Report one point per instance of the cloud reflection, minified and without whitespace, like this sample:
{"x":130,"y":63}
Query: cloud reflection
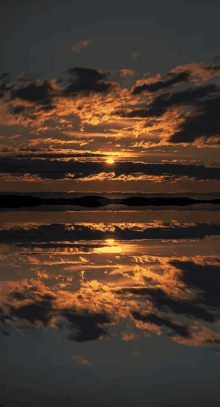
{"x":177,"y":296}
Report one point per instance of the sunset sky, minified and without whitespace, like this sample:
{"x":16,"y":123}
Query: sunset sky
{"x":84,"y":83}
{"x":110,"y":306}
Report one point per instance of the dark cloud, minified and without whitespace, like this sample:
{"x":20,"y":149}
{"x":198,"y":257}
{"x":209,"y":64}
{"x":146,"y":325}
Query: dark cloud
{"x":181,"y":330}
{"x":4,"y":318}
{"x":86,"y":80}
{"x":43,"y":95}
{"x":215,"y":67}
{"x":17,"y":295}
{"x":18,"y":109}
{"x":4,"y":76}
{"x":50,"y":154}
{"x":85,"y":248}
{"x":202,"y":281}
{"x":205,"y":305}
{"x":90,"y":75}
{"x":35,"y":92}
{"x":197,"y":299}
{"x":47,"y":108}
{"x":54,"y":169}
{"x":206,"y":124}
{"x":74,"y":232}
{"x":39,"y":311}
{"x":4,"y":84}
{"x":167,"y":100}
{"x":88,"y":326}
{"x":191,"y":310}
{"x":53,"y":232}
{"x":216,"y":61}
{"x":39,"y":95}
{"x":164,"y":303}
{"x":204,"y":278}
{"x":154,"y":87}
{"x":84,"y":325}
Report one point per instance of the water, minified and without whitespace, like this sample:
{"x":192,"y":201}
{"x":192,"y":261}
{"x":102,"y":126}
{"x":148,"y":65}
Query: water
{"x":109,"y":307}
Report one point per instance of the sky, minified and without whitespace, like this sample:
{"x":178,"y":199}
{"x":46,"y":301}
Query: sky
{"x":85,"y":86}
{"x":103,"y":106}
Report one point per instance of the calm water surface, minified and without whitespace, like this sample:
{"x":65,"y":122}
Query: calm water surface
{"x":110,"y":308}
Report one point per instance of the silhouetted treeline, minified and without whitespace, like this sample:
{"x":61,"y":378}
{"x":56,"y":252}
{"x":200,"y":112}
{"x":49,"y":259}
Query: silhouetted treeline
{"x":93,"y":201}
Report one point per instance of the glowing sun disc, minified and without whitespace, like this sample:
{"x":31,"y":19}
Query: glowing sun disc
{"x":110,"y":161}
{"x":110,"y":241}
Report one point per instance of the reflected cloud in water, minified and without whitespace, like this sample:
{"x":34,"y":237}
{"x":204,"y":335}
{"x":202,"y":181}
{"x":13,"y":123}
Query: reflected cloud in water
{"x":53,"y":277}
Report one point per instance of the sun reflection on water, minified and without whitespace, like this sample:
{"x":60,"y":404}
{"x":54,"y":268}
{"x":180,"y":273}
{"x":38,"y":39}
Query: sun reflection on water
{"x":112,"y":247}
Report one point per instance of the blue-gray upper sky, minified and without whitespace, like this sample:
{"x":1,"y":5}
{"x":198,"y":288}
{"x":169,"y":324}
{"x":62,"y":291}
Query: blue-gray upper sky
{"x":38,"y":36}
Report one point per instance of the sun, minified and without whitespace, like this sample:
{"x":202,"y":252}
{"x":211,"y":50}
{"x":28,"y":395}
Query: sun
{"x":110,"y":241}
{"x":110,"y":161}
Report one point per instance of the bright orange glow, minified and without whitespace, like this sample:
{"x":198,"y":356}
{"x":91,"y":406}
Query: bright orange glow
{"x":109,"y":249}
{"x":110,"y":241}
{"x":110,"y":161}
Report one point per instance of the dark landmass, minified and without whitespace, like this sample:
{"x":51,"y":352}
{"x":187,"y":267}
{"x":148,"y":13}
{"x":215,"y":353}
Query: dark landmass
{"x":95,"y":201}
{"x":19,"y":201}
{"x":143,"y":201}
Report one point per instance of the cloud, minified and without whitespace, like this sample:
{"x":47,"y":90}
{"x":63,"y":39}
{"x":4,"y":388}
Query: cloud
{"x":4,"y":76}
{"x":4,"y":84}
{"x":35,"y":92}
{"x":198,"y":71}
{"x":89,"y":326}
{"x":134,"y":56}
{"x":155,"y":86}
{"x":204,"y":125}
{"x":35,"y":306}
{"x":205,"y":279}
{"x":181,"y":107}
{"x":76,"y":232}
{"x":86,"y":80}
{"x":34,"y":312}
{"x":155,"y":302}
{"x":81,"y":44}
{"x":79,"y":359}
{"x":63,"y":155}
{"x":26,"y":101}
{"x":163,"y":302}
{"x":216,"y":58}
{"x":201,"y":305}
{"x":153,"y":319}
{"x":33,"y":102}
{"x":98,"y":170}
{"x":199,"y":120}
{"x":167,"y":100}
{"x":127,"y":72}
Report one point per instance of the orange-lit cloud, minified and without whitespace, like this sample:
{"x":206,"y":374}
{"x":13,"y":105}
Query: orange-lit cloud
{"x":136,"y":352}
{"x":81,"y":44}
{"x":135,"y":55}
{"x":79,"y":359}
{"x":155,"y":106}
{"x":154,"y":300}
{"x":123,"y":116}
